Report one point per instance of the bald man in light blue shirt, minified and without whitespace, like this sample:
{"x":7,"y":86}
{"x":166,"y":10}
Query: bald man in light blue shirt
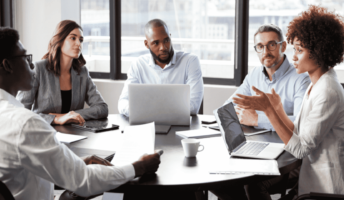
{"x":276,"y":72}
{"x":164,"y":66}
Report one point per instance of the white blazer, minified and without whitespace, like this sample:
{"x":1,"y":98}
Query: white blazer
{"x":318,"y":137}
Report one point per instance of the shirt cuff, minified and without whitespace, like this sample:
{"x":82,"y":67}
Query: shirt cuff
{"x":264,"y":123}
{"x":129,"y":171}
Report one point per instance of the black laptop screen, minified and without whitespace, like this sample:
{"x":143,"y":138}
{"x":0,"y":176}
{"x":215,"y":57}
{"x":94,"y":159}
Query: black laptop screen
{"x":231,"y":127}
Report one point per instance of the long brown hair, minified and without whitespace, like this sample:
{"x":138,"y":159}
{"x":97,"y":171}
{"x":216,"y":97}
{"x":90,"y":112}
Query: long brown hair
{"x":54,"y":49}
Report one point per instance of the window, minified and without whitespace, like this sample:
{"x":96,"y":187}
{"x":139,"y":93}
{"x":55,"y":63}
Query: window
{"x":95,"y":21}
{"x":195,"y":28}
{"x":280,"y":14}
{"x":202,"y":27}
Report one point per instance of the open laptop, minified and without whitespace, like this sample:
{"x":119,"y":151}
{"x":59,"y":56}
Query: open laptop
{"x":235,"y":140}
{"x":164,"y":104}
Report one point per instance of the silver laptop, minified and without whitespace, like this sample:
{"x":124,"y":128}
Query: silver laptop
{"x":235,"y":140}
{"x":165,"y":104}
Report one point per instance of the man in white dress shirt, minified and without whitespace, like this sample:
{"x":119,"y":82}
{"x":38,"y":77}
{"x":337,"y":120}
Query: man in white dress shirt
{"x":32,"y":160}
{"x":164,"y":66}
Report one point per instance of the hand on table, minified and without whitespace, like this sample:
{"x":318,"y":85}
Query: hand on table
{"x":247,"y":117}
{"x":147,"y":164}
{"x":96,"y":160}
{"x":71,"y":117}
{"x":259,"y":102}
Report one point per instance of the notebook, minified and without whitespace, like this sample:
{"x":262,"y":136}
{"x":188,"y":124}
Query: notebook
{"x":234,"y":137}
{"x":199,"y":133}
{"x":69,"y":138}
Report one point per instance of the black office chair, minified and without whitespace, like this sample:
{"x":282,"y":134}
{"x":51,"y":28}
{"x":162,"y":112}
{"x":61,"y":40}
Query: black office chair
{"x":5,"y":193}
{"x":320,"y":196}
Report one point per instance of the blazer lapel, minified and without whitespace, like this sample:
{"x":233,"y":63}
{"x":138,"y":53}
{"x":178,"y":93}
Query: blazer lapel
{"x":298,"y":118}
{"x":75,"y":89}
{"x":56,"y":92}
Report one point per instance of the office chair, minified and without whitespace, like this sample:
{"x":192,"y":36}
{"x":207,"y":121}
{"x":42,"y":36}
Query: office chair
{"x":320,"y":196}
{"x":5,"y":193}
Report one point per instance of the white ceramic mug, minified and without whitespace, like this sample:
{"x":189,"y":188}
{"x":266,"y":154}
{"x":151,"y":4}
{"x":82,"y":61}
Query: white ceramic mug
{"x":191,"y":147}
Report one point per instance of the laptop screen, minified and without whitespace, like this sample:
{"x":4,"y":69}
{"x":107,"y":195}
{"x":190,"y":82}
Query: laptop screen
{"x":230,"y":127}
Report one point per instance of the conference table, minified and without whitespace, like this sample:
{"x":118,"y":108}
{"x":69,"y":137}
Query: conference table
{"x":176,"y":172}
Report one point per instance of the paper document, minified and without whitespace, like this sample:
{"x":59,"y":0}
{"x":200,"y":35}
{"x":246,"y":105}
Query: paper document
{"x":69,"y":138}
{"x":247,"y":166}
{"x":138,"y":140}
{"x":199,"y":133}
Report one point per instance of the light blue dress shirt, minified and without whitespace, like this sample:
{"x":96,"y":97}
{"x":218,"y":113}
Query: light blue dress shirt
{"x":184,"y":68}
{"x":289,"y":85}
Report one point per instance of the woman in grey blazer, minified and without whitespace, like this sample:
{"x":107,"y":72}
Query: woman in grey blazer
{"x":62,"y":83}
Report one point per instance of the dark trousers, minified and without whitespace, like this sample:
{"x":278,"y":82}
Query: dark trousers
{"x":230,"y":193}
{"x":262,"y":190}
{"x":257,"y":191}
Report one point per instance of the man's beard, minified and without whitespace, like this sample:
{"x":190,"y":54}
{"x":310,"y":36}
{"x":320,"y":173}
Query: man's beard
{"x":273,"y":64}
{"x":165,"y":61}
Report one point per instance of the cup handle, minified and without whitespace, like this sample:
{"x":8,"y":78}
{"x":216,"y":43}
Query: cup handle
{"x":201,"y":149}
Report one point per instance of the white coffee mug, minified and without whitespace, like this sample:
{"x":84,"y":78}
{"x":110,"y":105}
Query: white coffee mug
{"x":191,"y":147}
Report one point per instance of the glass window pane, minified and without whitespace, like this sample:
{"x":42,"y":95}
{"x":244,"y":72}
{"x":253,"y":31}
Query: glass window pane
{"x":95,"y":21}
{"x":280,"y":14}
{"x":202,"y":27}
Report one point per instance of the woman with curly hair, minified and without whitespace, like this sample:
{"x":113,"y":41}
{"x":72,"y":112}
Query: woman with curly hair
{"x":317,"y":134}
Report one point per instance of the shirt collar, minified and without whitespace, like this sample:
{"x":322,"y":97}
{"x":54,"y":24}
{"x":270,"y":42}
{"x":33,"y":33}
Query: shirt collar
{"x":280,"y":71}
{"x":11,"y":99}
{"x":172,"y":62}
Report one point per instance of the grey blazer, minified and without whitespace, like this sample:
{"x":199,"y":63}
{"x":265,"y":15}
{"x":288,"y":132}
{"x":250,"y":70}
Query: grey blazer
{"x":45,"y":96}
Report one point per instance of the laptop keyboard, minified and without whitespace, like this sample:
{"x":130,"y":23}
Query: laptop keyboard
{"x":250,"y":148}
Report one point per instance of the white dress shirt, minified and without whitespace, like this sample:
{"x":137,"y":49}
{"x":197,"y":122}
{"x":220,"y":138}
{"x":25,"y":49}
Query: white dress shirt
{"x":32,"y":159}
{"x":184,"y":68}
{"x":318,"y":137}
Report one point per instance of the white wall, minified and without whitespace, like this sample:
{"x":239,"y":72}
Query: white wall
{"x":214,"y":95}
{"x":36,"y":21}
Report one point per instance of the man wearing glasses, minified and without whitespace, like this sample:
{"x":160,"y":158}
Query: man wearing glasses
{"x":31,"y":158}
{"x":275,"y":73}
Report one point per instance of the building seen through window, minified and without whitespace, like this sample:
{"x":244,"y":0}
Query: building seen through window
{"x":205,"y":28}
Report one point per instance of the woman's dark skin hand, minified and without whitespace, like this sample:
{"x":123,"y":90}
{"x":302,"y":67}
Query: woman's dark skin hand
{"x":275,"y":99}
{"x":260,"y":102}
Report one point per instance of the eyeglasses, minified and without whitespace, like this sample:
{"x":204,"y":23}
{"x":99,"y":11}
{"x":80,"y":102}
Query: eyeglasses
{"x":271,"y":46}
{"x":28,"y":58}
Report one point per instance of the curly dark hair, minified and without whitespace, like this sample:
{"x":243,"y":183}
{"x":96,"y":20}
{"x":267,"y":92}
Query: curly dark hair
{"x":322,"y":32}
{"x":8,"y":40}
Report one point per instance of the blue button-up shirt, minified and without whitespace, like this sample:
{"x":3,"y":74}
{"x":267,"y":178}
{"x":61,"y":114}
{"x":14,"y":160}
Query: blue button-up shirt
{"x":289,"y":85}
{"x":184,"y":68}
